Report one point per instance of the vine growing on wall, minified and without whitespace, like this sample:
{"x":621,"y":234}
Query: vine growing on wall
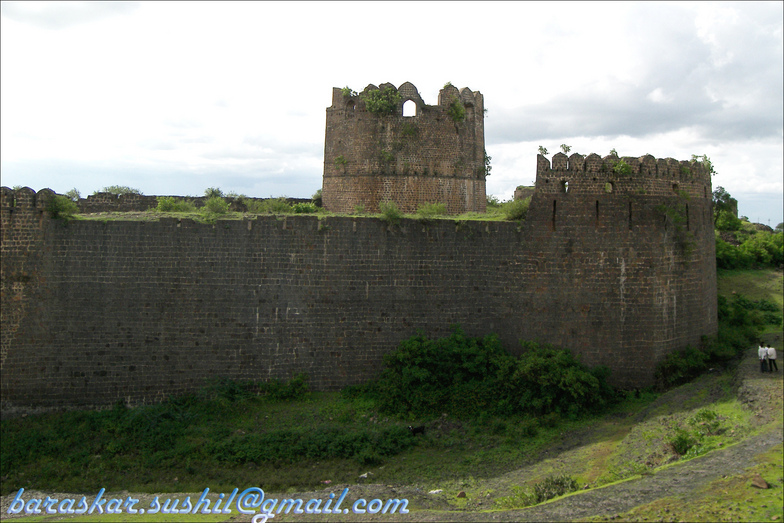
{"x":674,"y":217}
{"x":487,"y":167}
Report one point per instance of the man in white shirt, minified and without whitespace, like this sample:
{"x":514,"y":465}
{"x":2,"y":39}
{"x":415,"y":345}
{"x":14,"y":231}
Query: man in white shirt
{"x":772,"y":359}
{"x":763,"y":357}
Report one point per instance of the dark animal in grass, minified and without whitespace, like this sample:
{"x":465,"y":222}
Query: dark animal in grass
{"x":417,"y":430}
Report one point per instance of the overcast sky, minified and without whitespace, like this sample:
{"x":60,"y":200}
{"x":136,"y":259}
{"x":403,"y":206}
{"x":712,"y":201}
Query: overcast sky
{"x":173,"y":98}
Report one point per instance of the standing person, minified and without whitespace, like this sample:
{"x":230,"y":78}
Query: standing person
{"x":772,"y":359}
{"x":763,"y":357}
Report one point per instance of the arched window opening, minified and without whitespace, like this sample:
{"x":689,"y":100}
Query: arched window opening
{"x":565,"y":186}
{"x":409,"y":108}
{"x":351,"y":105}
{"x":608,"y":187}
{"x":675,"y":188}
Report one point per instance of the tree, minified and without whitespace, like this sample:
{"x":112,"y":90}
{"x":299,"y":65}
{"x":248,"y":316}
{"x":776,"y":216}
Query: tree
{"x":566,"y":148}
{"x":542,"y":151}
{"x":723,"y":202}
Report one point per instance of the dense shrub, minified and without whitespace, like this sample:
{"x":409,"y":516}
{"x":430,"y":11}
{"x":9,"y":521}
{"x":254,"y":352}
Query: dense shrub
{"x":730,"y":257}
{"x":516,"y":209}
{"x":216,"y":205}
{"x":466,"y":377}
{"x":760,"y":248}
{"x":304,"y":208}
{"x":727,"y":221}
{"x":213,"y":192}
{"x":765,"y":248}
{"x":550,"y":379}
{"x":390,"y":213}
{"x":61,"y":207}
{"x":172,"y":204}
{"x":274,"y":206}
{"x":739,"y":320}
{"x":381,"y":101}
{"x":554,"y":486}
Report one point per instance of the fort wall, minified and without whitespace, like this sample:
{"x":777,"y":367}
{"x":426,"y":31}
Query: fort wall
{"x":410,"y":160}
{"x":95,"y":312}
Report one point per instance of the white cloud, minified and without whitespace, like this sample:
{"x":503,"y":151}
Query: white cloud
{"x":178,"y":97}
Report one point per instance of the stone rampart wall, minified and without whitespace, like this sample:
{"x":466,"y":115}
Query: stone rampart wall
{"x":96,"y":312}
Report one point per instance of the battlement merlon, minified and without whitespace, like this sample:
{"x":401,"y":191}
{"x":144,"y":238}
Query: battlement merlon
{"x":408,"y":91}
{"x":24,"y":199}
{"x":645,"y":175}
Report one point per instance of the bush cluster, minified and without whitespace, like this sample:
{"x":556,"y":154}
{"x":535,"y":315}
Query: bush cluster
{"x":466,"y":377}
{"x":739,"y":320}
{"x":516,"y":209}
{"x":61,"y":207}
{"x":390,"y":213}
{"x":381,"y":101}
{"x":216,"y":205}
{"x":304,"y":208}
{"x":172,"y":204}
{"x":549,"y":488}
{"x":761,"y":249}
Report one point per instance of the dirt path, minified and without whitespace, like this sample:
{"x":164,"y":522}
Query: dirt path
{"x":761,"y":393}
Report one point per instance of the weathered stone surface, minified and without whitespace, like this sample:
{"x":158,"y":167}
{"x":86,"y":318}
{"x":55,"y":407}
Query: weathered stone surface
{"x":409,"y":160}
{"x":95,"y":312}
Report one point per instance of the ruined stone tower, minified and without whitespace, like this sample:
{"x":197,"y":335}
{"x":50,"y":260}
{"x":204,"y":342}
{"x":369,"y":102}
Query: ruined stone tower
{"x":436,"y":155}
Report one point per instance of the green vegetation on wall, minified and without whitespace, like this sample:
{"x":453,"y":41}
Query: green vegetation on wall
{"x":382,"y":102}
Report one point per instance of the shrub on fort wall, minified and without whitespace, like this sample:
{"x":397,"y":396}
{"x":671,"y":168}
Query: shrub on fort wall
{"x":119,"y":190}
{"x":61,"y":207}
{"x":382,"y":101}
{"x":516,"y":209}
{"x":172,"y":204}
{"x":271,"y":206}
{"x":390,"y":213}
{"x":216,"y":205}
{"x":304,"y":208}
{"x":456,"y":111}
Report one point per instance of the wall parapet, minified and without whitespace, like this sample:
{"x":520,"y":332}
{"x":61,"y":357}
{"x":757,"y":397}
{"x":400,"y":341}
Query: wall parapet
{"x":645,"y":175}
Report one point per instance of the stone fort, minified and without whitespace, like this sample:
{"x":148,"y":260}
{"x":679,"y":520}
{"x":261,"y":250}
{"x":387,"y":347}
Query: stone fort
{"x":617,"y":265}
{"x":432,"y":156}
